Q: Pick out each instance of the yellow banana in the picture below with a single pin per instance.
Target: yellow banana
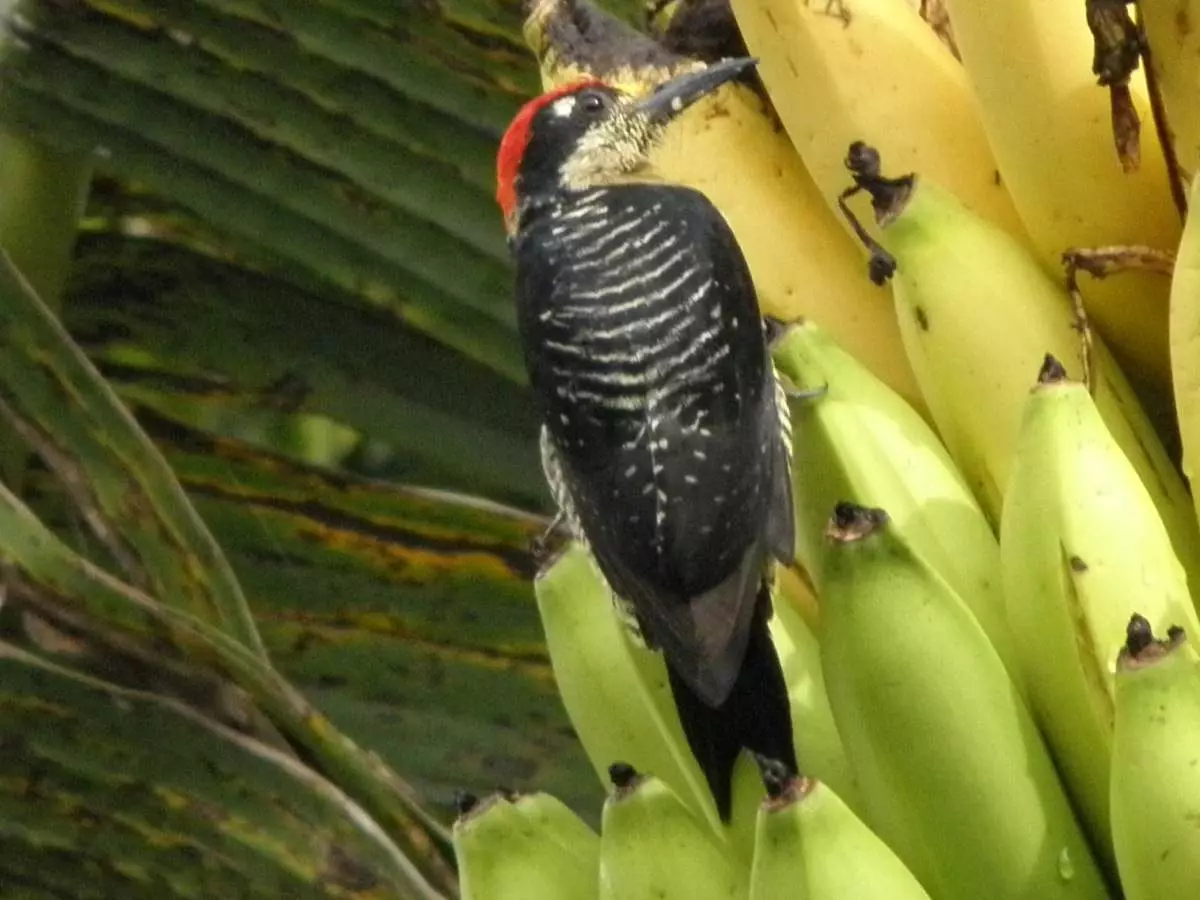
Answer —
(728, 147)
(810, 846)
(1185, 341)
(1155, 778)
(653, 848)
(525, 851)
(859, 441)
(1049, 123)
(978, 315)
(1173, 32)
(1082, 548)
(872, 70)
(953, 772)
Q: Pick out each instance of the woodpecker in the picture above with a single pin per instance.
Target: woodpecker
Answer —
(665, 437)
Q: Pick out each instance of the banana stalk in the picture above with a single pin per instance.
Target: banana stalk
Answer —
(1155, 778)
(730, 148)
(953, 772)
(653, 848)
(978, 315)
(1082, 547)
(811, 846)
(1030, 67)
(531, 849)
(859, 441)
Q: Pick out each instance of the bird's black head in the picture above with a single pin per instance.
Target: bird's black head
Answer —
(589, 133)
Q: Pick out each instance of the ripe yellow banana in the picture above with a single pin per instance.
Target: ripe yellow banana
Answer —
(728, 147)
(1173, 31)
(1185, 341)
(859, 441)
(1083, 548)
(978, 314)
(872, 70)
(811, 846)
(616, 694)
(953, 772)
(653, 848)
(1155, 777)
(1049, 123)
(527, 850)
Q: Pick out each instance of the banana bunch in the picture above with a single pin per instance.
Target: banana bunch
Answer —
(988, 640)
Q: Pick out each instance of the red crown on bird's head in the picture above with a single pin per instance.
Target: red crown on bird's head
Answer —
(516, 139)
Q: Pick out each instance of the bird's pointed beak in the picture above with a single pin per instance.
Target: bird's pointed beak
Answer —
(674, 96)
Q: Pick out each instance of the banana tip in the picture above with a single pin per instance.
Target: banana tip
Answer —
(1142, 648)
(851, 522)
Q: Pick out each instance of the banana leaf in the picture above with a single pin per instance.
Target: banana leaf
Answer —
(293, 274)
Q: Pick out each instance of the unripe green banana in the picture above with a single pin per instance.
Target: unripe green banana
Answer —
(1082, 548)
(530, 849)
(554, 819)
(860, 441)
(619, 701)
(818, 743)
(953, 772)
(1155, 775)
(616, 693)
(811, 846)
(978, 314)
(653, 848)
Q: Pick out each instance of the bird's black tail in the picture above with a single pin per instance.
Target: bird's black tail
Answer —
(755, 715)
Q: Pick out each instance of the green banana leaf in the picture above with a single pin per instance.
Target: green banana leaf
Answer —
(292, 272)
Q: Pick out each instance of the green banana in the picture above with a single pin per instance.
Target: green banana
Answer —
(811, 846)
(653, 848)
(619, 702)
(818, 743)
(554, 820)
(977, 315)
(524, 850)
(953, 772)
(616, 693)
(1082, 547)
(1155, 776)
(860, 441)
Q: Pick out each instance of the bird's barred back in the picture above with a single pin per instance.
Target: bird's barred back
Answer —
(652, 371)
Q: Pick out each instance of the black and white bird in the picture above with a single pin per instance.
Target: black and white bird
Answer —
(665, 434)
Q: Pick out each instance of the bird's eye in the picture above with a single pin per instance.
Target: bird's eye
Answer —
(593, 102)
